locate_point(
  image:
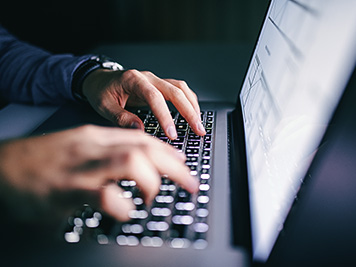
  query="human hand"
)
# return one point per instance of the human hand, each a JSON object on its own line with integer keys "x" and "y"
{"x": 110, "y": 91}
{"x": 50, "y": 176}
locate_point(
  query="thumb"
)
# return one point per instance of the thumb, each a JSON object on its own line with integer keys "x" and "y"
{"x": 127, "y": 119}
{"x": 122, "y": 117}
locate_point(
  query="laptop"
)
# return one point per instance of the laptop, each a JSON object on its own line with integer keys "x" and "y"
{"x": 260, "y": 149}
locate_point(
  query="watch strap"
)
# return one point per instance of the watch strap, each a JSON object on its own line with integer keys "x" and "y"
{"x": 88, "y": 66}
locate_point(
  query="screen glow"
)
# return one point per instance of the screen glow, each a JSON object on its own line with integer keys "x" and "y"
{"x": 301, "y": 64}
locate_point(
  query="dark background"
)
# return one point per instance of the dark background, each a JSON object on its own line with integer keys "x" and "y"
{"x": 76, "y": 26}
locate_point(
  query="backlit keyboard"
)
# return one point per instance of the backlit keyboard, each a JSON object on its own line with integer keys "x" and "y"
{"x": 176, "y": 218}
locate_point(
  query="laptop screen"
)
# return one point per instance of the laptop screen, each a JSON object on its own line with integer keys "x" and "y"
{"x": 303, "y": 58}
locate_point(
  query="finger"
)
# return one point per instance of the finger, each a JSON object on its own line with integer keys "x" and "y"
{"x": 124, "y": 162}
{"x": 168, "y": 165}
{"x": 122, "y": 117}
{"x": 144, "y": 89}
{"x": 115, "y": 204}
{"x": 192, "y": 97}
{"x": 156, "y": 158}
{"x": 180, "y": 101}
{"x": 133, "y": 164}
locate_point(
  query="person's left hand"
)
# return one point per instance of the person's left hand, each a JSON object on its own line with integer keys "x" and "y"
{"x": 44, "y": 178}
{"x": 110, "y": 91}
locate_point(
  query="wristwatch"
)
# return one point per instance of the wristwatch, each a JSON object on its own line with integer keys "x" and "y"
{"x": 88, "y": 66}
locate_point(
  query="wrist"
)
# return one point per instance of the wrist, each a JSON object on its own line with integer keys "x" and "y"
{"x": 86, "y": 68}
{"x": 94, "y": 80}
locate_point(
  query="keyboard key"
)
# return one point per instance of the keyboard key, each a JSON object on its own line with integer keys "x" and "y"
{"x": 183, "y": 127}
{"x": 204, "y": 187}
{"x": 192, "y": 159}
{"x": 208, "y": 125}
{"x": 181, "y": 133}
{"x": 161, "y": 212}
{"x": 186, "y": 206}
{"x": 210, "y": 119}
{"x": 206, "y": 154}
{"x": 169, "y": 187}
{"x": 155, "y": 241}
{"x": 193, "y": 144}
{"x": 138, "y": 214}
{"x": 127, "y": 240}
{"x": 179, "y": 140}
{"x": 184, "y": 220}
{"x": 203, "y": 199}
{"x": 150, "y": 131}
{"x": 202, "y": 213}
{"x": 180, "y": 243}
{"x": 152, "y": 125}
{"x": 205, "y": 176}
{"x": 183, "y": 196}
{"x": 201, "y": 227}
{"x": 178, "y": 146}
{"x": 207, "y": 146}
{"x": 192, "y": 137}
{"x": 192, "y": 151}
{"x": 207, "y": 138}
{"x": 164, "y": 199}
{"x": 132, "y": 228}
{"x": 157, "y": 226}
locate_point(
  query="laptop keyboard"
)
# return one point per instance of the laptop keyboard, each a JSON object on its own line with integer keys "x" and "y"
{"x": 176, "y": 218}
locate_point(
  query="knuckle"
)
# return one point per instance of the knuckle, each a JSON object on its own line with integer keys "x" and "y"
{"x": 129, "y": 157}
{"x": 87, "y": 130}
{"x": 82, "y": 136}
{"x": 153, "y": 94}
{"x": 181, "y": 84}
{"x": 121, "y": 118}
{"x": 147, "y": 73}
{"x": 194, "y": 95}
{"x": 176, "y": 92}
{"x": 130, "y": 74}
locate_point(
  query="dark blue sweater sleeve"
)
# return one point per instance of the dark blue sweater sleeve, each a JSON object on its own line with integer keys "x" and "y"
{"x": 31, "y": 75}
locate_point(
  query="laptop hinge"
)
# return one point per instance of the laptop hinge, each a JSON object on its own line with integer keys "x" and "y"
{"x": 238, "y": 180}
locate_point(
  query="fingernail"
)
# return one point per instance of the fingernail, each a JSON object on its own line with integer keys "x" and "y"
{"x": 172, "y": 133}
{"x": 135, "y": 125}
{"x": 201, "y": 128}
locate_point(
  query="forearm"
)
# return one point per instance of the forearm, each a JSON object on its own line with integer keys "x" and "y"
{"x": 31, "y": 75}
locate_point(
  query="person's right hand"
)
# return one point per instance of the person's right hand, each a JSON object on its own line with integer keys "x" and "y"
{"x": 109, "y": 92}
{"x": 50, "y": 176}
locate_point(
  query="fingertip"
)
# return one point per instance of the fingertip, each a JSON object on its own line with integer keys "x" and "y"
{"x": 151, "y": 195}
{"x": 137, "y": 125}
{"x": 190, "y": 182}
{"x": 171, "y": 132}
{"x": 115, "y": 204}
{"x": 200, "y": 128}
{"x": 192, "y": 185}
{"x": 149, "y": 200}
